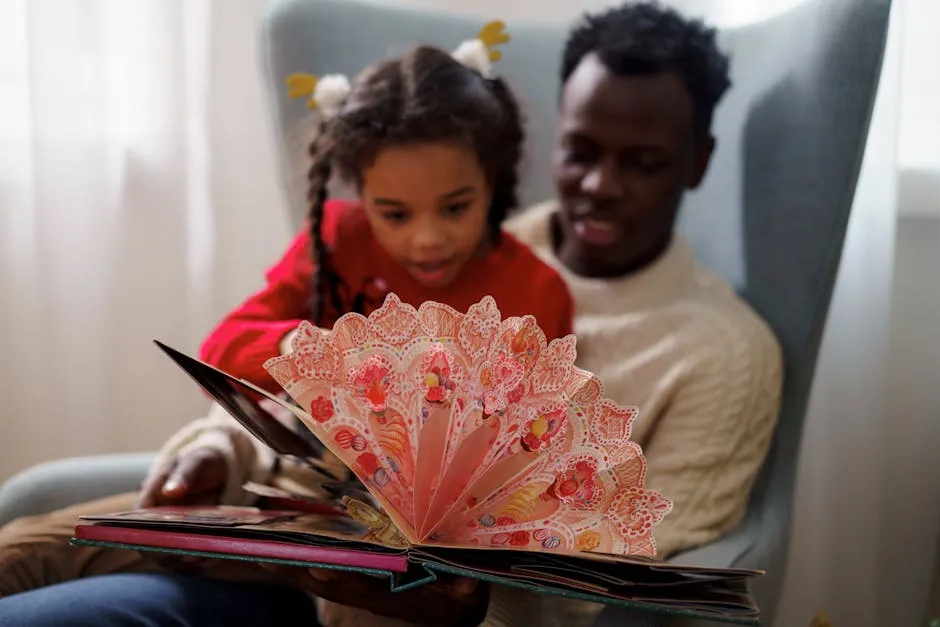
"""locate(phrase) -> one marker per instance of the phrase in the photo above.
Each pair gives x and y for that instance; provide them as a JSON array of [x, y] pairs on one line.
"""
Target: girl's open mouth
[[431, 272]]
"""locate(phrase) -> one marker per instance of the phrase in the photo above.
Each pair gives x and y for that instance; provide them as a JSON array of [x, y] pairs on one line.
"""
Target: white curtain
[[138, 200]]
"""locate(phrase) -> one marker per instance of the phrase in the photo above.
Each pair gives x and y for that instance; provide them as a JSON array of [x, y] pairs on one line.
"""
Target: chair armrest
[[54, 485], [736, 549]]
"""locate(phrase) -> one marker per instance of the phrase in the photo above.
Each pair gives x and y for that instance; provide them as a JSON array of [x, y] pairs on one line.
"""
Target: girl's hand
[[196, 478], [449, 601]]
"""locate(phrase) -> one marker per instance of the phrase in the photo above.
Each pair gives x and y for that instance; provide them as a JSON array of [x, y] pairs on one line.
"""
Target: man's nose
[[603, 180]]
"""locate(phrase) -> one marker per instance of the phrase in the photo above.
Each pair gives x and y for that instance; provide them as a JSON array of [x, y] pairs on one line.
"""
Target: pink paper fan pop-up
[[471, 430]]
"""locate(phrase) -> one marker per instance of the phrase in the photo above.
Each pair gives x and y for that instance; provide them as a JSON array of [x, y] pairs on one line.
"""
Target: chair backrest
[[794, 131], [772, 215]]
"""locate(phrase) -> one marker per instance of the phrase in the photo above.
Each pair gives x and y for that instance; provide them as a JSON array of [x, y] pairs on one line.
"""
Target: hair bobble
[[326, 93], [474, 54], [330, 93], [480, 53]]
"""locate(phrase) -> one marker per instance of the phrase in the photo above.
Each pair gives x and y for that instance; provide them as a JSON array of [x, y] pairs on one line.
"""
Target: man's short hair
[[642, 38]]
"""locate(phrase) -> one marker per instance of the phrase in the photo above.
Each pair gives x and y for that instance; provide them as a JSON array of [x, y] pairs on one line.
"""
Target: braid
[[318, 178], [505, 183]]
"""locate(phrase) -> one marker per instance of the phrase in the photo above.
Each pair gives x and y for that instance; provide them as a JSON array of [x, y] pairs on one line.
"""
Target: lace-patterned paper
[[471, 430]]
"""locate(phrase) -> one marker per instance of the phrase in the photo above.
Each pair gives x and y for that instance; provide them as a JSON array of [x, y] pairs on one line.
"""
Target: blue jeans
[[157, 600]]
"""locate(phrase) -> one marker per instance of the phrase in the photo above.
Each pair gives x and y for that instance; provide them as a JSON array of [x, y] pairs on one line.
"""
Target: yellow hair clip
[[302, 85], [480, 53], [326, 93], [494, 34]]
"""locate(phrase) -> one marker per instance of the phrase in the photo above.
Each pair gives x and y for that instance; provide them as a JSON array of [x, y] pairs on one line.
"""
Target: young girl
[[433, 146], [433, 143]]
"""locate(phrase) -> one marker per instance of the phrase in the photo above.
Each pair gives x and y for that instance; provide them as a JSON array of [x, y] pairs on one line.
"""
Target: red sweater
[[513, 275]]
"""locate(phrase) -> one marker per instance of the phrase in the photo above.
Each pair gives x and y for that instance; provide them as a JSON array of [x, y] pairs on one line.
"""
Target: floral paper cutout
[[472, 430]]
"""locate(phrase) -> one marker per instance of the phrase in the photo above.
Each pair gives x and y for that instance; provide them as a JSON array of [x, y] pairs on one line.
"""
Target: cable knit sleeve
[[708, 442], [247, 458], [709, 392]]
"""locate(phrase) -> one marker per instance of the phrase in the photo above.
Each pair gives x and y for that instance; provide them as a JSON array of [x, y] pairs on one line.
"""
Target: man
[[640, 84]]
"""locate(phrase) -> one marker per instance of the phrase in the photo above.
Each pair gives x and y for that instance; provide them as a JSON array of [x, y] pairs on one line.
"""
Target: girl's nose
[[428, 236]]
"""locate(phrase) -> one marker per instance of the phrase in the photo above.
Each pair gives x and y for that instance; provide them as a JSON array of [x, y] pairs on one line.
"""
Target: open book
[[481, 451]]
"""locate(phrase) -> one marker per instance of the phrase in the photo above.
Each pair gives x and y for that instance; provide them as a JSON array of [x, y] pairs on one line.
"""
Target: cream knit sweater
[[705, 372], [672, 339]]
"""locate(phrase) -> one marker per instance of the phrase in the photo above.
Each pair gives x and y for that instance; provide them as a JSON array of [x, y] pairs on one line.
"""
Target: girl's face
[[427, 205]]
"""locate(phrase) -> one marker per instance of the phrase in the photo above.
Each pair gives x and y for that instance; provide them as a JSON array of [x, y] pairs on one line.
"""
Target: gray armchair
[[771, 217]]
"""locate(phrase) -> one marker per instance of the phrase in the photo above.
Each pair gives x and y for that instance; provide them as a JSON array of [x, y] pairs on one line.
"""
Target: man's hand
[[196, 478], [449, 601]]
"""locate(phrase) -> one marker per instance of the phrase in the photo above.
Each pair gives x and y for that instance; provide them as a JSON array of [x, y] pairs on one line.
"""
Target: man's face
[[626, 152]]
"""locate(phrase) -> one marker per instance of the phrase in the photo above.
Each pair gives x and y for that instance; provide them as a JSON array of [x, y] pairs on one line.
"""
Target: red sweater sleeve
[[252, 333], [559, 299], [566, 315]]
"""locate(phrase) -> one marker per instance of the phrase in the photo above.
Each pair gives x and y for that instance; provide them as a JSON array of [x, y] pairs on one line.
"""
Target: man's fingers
[[151, 489], [195, 478], [176, 485], [199, 472]]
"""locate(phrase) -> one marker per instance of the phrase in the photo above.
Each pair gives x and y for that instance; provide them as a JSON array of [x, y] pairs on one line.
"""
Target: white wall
[[919, 131], [912, 496], [911, 502]]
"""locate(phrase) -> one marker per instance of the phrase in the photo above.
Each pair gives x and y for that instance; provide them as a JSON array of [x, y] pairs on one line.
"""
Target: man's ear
[[704, 148]]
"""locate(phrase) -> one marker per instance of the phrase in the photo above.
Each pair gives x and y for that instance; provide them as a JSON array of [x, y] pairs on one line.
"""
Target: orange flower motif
[[587, 541], [525, 344]]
